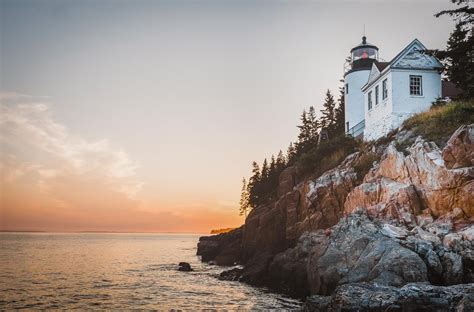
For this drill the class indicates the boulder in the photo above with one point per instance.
(287, 271)
(413, 297)
(221, 249)
(459, 150)
(185, 267)
(357, 251)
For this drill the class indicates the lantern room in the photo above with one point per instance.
(363, 55)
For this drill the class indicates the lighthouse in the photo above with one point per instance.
(355, 77)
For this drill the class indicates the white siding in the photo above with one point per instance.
(400, 105)
(378, 120)
(354, 101)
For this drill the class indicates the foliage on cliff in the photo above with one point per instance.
(440, 121)
(312, 153)
(458, 55)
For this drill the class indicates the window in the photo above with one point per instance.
(369, 100)
(347, 126)
(416, 87)
(376, 95)
(384, 89)
(347, 88)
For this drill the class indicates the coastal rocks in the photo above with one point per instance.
(308, 206)
(401, 186)
(185, 267)
(358, 252)
(459, 151)
(439, 188)
(223, 249)
(265, 231)
(385, 199)
(409, 298)
(288, 270)
(319, 203)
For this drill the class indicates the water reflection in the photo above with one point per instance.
(96, 271)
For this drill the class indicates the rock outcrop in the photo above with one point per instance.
(358, 250)
(307, 206)
(223, 249)
(355, 244)
(400, 186)
(413, 297)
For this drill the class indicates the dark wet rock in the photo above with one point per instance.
(287, 271)
(410, 298)
(222, 249)
(234, 274)
(256, 269)
(185, 267)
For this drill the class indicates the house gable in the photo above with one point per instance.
(413, 57)
(374, 73)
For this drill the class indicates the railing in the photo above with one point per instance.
(357, 130)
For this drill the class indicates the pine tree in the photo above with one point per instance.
(328, 113)
(458, 57)
(280, 162)
(305, 129)
(244, 199)
(339, 117)
(313, 124)
(254, 186)
(290, 154)
(265, 170)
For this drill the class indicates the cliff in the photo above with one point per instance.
(406, 223)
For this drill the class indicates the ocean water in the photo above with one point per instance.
(118, 271)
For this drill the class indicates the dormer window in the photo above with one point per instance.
(416, 85)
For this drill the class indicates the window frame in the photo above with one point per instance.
(376, 94)
(384, 89)
(416, 89)
(369, 100)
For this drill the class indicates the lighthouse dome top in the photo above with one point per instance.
(364, 50)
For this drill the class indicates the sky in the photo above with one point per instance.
(144, 116)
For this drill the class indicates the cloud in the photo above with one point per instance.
(53, 180)
(34, 142)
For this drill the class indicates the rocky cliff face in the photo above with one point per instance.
(409, 221)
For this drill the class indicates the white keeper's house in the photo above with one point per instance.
(379, 96)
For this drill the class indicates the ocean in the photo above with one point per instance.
(118, 271)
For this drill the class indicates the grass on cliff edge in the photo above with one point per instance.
(439, 123)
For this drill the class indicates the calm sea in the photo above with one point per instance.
(117, 271)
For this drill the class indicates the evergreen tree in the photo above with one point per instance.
(280, 162)
(313, 124)
(254, 186)
(265, 170)
(305, 129)
(328, 113)
(339, 117)
(244, 199)
(290, 154)
(458, 57)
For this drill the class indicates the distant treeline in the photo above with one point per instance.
(219, 231)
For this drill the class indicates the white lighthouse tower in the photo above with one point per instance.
(357, 74)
